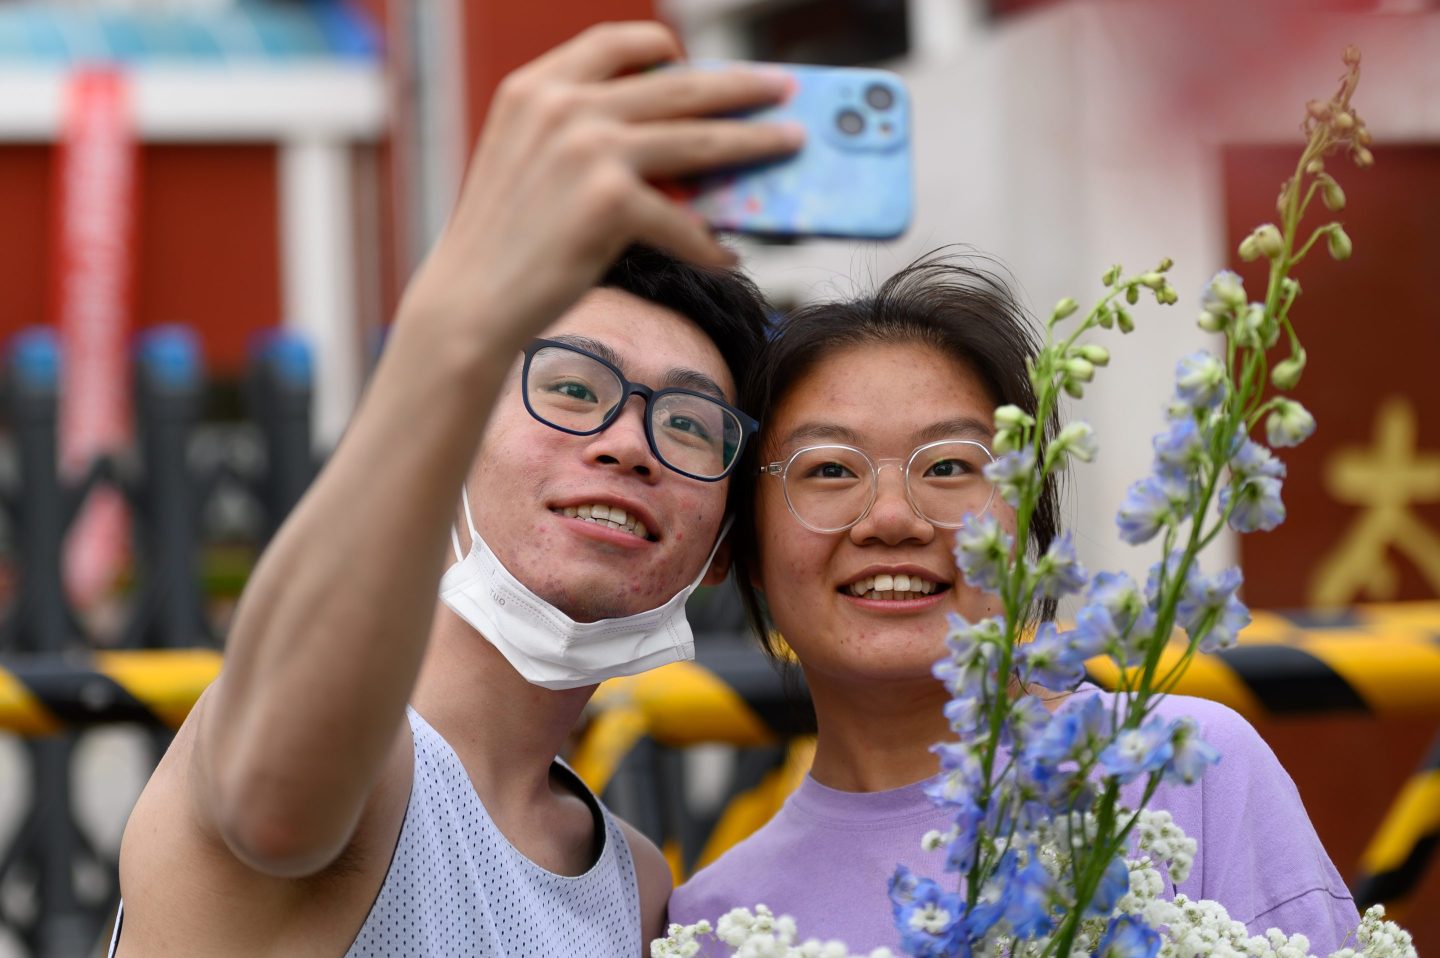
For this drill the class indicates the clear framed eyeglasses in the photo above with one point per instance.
(830, 488)
(579, 393)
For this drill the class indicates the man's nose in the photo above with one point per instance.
(624, 444)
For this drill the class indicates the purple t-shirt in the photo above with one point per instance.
(826, 856)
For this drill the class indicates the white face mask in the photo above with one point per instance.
(546, 646)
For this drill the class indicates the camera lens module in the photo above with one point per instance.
(850, 122)
(879, 96)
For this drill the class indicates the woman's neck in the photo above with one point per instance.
(877, 735)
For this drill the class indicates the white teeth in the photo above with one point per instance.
(891, 587)
(611, 516)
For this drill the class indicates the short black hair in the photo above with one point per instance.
(727, 306)
(952, 300)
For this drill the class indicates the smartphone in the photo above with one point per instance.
(852, 178)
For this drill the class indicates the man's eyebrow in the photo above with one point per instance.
(677, 378)
(592, 346)
(681, 378)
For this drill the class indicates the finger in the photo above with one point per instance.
(682, 147)
(608, 50)
(673, 94)
(678, 229)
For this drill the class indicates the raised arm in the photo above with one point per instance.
(330, 633)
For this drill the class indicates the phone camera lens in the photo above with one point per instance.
(850, 122)
(879, 96)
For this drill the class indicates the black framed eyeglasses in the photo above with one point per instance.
(579, 393)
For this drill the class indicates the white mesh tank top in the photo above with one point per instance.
(457, 887)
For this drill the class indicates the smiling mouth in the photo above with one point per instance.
(611, 517)
(894, 588)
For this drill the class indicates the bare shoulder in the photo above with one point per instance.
(652, 874)
(186, 892)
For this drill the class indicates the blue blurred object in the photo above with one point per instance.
(247, 32)
(35, 358)
(287, 355)
(170, 355)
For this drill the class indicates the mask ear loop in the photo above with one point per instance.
(470, 521)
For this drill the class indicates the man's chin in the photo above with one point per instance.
(604, 599)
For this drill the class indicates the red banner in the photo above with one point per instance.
(94, 270)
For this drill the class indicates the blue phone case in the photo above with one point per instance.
(852, 177)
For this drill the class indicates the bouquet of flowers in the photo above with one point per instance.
(1050, 861)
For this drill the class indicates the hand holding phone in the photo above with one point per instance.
(853, 176)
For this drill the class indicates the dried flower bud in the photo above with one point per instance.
(1286, 375)
(1123, 321)
(1363, 157)
(1351, 56)
(1066, 307)
(1111, 275)
(1316, 165)
(1319, 109)
(1362, 136)
(1269, 241)
(1331, 193)
(1339, 243)
(1343, 121)
(1098, 355)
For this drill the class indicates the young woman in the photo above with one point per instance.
(900, 389)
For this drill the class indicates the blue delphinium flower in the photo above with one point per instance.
(1058, 572)
(1031, 890)
(1128, 937)
(1047, 660)
(1159, 498)
(1073, 732)
(1200, 381)
(1138, 751)
(1012, 474)
(930, 921)
(1094, 632)
(1180, 447)
(970, 666)
(1211, 600)
(1255, 486)
(1113, 884)
(1131, 617)
(1189, 753)
(982, 551)
(1028, 717)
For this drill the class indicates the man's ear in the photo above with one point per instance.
(720, 565)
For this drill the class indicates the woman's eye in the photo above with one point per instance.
(949, 469)
(831, 470)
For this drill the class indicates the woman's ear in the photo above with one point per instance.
(720, 565)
